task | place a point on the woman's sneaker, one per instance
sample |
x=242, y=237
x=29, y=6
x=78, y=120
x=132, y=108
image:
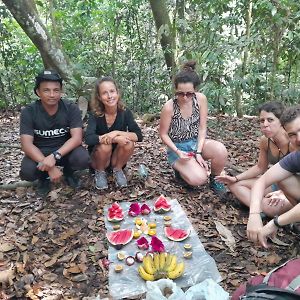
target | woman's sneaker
x=218, y=187
x=100, y=180
x=120, y=178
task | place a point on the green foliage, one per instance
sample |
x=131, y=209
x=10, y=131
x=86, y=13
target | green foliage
x=118, y=38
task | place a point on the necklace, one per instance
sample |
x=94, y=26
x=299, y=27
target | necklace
x=280, y=153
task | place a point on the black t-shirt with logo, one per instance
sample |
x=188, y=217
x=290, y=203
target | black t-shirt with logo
x=50, y=132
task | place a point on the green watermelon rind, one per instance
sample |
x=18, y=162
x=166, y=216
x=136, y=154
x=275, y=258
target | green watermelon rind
x=116, y=235
x=114, y=219
x=188, y=232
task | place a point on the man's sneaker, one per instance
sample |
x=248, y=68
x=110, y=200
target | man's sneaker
x=72, y=181
x=218, y=187
x=120, y=178
x=43, y=187
x=100, y=180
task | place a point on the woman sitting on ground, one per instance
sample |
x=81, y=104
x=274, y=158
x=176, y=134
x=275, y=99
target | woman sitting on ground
x=183, y=123
x=111, y=133
x=273, y=145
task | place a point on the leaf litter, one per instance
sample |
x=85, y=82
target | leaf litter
x=60, y=252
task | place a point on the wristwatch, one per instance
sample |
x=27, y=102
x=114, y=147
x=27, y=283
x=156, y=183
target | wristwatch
x=56, y=155
x=275, y=220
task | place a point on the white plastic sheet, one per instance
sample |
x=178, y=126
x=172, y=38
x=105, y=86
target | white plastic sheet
x=129, y=284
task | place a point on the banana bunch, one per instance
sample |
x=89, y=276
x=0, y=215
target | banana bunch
x=160, y=265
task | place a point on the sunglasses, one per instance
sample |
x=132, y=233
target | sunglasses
x=187, y=94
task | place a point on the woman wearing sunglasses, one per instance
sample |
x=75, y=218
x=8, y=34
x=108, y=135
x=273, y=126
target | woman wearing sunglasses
x=183, y=124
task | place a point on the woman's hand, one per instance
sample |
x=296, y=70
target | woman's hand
x=201, y=161
x=226, y=179
x=122, y=140
x=276, y=198
x=107, y=138
x=253, y=227
x=55, y=174
x=183, y=155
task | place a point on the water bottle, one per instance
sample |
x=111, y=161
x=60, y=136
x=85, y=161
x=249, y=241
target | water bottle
x=143, y=171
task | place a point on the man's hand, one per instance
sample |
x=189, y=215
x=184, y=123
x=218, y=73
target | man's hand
x=268, y=230
x=253, y=227
x=47, y=163
x=55, y=174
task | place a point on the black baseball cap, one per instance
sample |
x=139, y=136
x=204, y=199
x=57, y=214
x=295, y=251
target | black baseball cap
x=47, y=75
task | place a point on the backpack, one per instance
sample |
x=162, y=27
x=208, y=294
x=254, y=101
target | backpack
x=281, y=283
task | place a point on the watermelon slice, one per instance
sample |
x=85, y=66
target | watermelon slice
x=120, y=237
x=162, y=205
x=115, y=213
x=176, y=234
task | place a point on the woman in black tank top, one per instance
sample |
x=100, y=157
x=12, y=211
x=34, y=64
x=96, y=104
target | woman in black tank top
x=273, y=145
x=183, y=131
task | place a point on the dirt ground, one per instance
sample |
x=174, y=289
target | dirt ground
x=57, y=252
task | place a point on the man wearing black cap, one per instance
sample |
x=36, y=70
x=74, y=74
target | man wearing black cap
x=51, y=136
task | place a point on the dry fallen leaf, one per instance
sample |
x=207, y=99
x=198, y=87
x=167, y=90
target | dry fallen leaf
x=278, y=242
x=273, y=259
x=34, y=239
x=226, y=235
x=6, y=247
x=74, y=270
x=6, y=276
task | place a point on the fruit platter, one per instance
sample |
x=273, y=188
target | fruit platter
x=150, y=240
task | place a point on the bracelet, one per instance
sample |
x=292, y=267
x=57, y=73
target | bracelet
x=198, y=152
x=275, y=220
x=236, y=178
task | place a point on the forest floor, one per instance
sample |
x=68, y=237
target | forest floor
x=58, y=252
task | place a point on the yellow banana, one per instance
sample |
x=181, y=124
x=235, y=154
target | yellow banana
x=145, y=275
x=148, y=264
x=156, y=261
x=168, y=259
x=162, y=260
x=177, y=272
x=172, y=264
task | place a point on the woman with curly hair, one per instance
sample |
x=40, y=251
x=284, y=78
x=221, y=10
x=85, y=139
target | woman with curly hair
x=111, y=133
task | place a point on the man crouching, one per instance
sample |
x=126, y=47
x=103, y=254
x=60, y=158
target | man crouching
x=51, y=136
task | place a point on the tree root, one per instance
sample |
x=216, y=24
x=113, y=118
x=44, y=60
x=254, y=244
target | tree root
x=4, y=145
x=13, y=186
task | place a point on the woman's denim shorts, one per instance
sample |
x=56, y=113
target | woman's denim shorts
x=186, y=146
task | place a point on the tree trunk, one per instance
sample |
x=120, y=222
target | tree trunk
x=239, y=89
x=164, y=29
x=25, y=13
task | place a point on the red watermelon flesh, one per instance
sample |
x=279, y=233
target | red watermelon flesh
x=162, y=204
x=115, y=213
x=176, y=234
x=120, y=237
